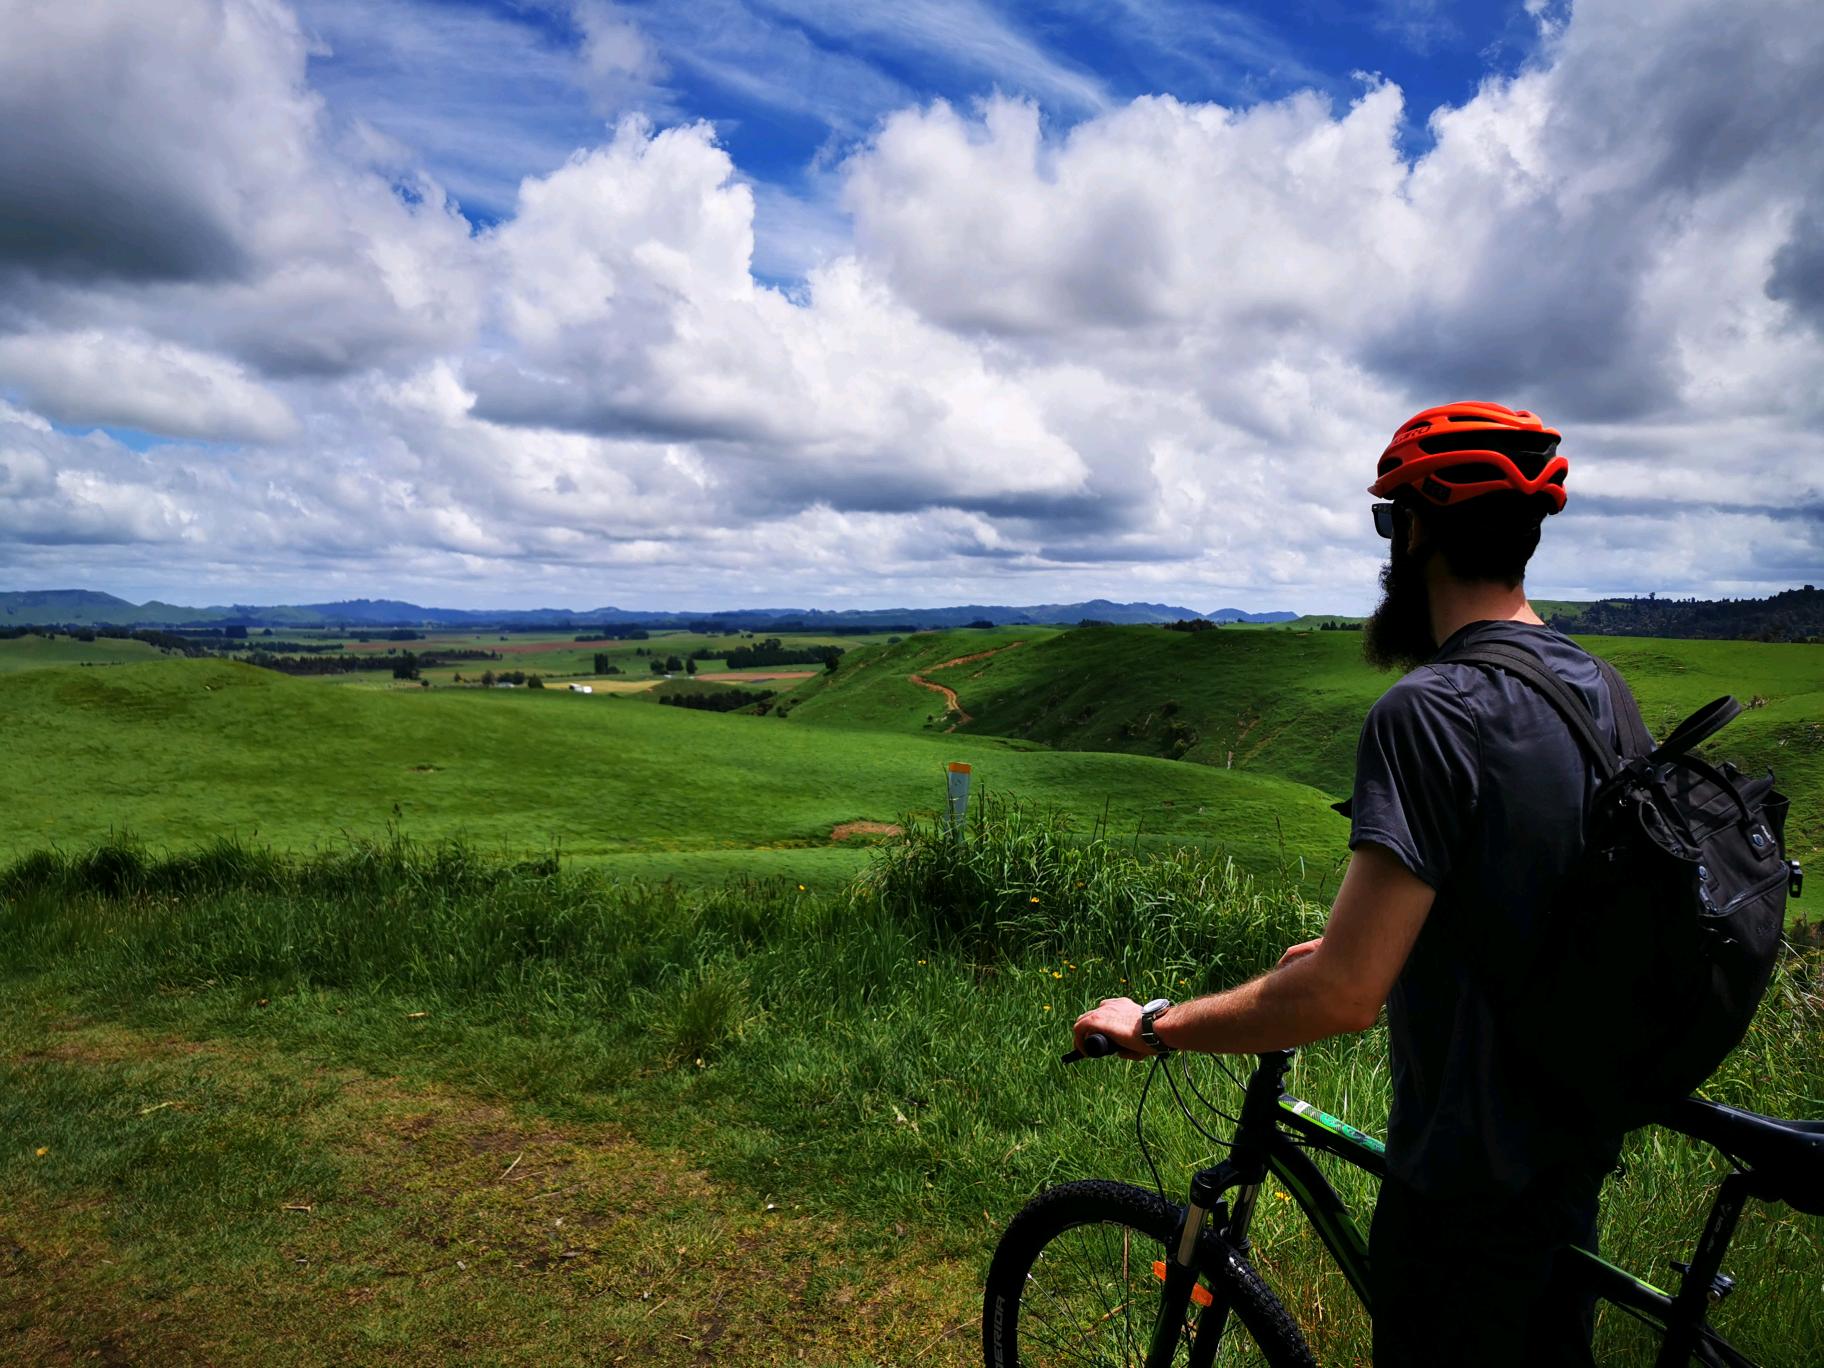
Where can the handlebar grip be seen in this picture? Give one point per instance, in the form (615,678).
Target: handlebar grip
(1095,1046)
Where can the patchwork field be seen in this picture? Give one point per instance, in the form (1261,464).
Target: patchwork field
(560,655)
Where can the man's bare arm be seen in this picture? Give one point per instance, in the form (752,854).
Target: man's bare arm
(1322,988)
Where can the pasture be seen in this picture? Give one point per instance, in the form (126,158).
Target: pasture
(35,652)
(1289,703)
(179,751)
(374,1024)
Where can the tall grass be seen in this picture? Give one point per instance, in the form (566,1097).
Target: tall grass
(889,1053)
(1020,883)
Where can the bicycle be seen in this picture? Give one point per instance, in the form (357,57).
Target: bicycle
(1130,1278)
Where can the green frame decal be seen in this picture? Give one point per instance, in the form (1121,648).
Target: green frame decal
(1334,1124)
(1638,1281)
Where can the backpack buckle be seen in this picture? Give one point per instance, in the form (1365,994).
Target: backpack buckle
(1795,878)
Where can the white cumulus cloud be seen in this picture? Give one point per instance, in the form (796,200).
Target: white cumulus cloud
(1150,351)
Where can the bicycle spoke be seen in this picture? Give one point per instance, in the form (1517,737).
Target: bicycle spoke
(1097,1301)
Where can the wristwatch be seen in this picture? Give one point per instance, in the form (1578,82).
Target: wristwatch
(1149,1014)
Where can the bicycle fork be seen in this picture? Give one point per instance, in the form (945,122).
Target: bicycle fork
(1181,1270)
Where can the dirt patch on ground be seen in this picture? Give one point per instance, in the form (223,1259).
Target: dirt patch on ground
(843,831)
(83,1042)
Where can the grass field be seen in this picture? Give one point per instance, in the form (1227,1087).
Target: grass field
(398,1105)
(34,652)
(182,750)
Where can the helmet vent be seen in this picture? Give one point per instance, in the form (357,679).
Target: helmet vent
(1471,472)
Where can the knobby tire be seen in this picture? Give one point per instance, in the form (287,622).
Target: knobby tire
(1073,1283)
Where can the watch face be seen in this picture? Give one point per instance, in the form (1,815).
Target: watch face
(1157,1005)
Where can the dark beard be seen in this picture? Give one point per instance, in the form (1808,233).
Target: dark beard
(1397,635)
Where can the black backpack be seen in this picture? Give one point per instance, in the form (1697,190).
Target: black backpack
(1662,938)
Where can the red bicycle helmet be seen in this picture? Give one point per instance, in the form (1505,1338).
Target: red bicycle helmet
(1462,451)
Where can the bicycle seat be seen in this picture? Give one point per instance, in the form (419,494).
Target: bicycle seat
(1785,1158)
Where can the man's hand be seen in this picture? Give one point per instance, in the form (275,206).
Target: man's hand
(1119,1020)
(1298,952)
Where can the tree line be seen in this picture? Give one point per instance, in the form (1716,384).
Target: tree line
(1794,615)
(722,699)
(771,651)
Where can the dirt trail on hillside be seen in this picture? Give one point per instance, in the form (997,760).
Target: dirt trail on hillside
(978,655)
(951,702)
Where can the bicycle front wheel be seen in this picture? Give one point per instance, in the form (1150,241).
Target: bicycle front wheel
(1078,1279)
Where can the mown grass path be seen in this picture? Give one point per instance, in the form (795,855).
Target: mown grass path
(201,1201)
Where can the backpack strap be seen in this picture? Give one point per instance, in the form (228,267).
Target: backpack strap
(1705,722)
(1524,665)
(1636,740)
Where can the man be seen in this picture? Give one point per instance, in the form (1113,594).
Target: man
(1467,810)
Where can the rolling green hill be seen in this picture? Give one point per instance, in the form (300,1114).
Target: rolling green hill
(34,652)
(1284,703)
(179,751)
(1290,703)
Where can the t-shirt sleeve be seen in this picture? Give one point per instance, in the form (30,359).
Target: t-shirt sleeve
(1416,774)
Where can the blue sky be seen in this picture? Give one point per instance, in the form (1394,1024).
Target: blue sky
(491,92)
(582,302)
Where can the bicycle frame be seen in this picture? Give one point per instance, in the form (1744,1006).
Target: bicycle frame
(1275,1133)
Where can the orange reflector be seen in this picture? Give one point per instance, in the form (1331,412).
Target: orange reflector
(1199,1293)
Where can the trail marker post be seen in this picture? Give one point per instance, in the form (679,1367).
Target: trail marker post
(957,791)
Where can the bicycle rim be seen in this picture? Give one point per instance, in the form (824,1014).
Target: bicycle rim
(1093,1297)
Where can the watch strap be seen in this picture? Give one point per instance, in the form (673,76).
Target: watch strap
(1149,1034)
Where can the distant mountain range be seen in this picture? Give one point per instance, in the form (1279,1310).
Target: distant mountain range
(87,608)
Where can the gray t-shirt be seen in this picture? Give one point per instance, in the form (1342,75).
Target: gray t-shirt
(1475,784)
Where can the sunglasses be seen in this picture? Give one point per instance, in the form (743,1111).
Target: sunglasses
(1383,520)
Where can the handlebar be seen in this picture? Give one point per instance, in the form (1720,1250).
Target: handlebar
(1095,1046)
